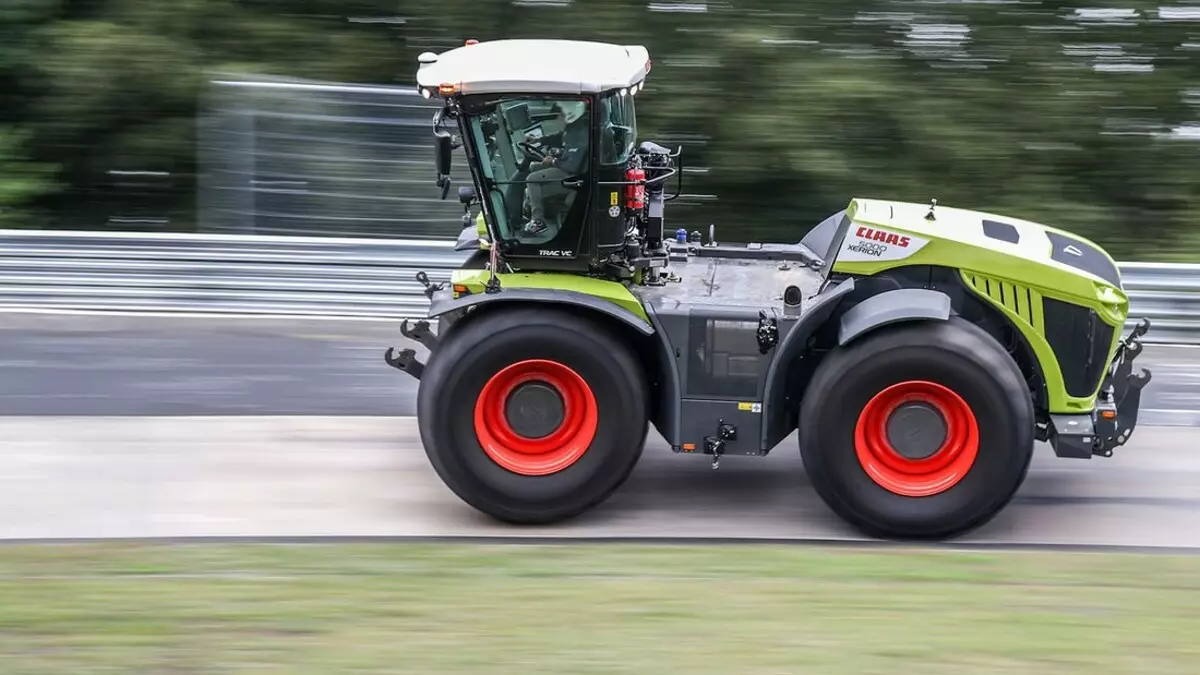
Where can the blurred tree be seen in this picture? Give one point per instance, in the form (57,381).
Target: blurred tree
(21,181)
(1064,112)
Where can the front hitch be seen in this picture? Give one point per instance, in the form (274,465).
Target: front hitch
(1116,411)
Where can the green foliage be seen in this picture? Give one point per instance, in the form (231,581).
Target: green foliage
(21,181)
(1058,111)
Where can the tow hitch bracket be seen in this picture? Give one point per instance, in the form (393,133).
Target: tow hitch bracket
(420,333)
(406,361)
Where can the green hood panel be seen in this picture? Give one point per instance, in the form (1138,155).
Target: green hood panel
(888,234)
(1014,264)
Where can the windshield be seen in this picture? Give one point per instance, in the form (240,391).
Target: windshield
(618,128)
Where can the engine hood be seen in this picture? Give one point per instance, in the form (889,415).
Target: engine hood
(965,238)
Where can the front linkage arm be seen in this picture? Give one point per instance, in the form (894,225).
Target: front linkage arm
(1121,394)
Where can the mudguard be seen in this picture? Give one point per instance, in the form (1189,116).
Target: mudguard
(889,307)
(444,302)
(777,399)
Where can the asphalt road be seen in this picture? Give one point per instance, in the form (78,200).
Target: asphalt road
(93,365)
(135,427)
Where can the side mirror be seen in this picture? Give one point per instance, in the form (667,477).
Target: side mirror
(466,194)
(442,142)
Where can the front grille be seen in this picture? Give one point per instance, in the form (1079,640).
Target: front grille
(1082,255)
(1080,341)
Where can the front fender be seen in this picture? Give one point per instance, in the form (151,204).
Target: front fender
(903,304)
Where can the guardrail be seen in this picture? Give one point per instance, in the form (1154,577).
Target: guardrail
(351,278)
(219,274)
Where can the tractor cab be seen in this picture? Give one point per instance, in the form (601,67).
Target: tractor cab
(549,131)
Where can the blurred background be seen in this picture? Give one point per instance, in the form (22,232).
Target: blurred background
(299,116)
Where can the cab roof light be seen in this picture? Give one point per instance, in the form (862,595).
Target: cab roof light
(471,42)
(447,89)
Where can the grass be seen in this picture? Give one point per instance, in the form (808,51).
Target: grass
(434,609)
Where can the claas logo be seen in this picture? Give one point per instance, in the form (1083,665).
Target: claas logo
(886,237)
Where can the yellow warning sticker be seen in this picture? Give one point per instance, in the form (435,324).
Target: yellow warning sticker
(614,199)
(748,406)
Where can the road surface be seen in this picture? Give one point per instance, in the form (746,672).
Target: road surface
(136,427)
(92,365)
(368,476)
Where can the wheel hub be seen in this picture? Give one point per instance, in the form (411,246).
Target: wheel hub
(916,430)
(534,410)
(916,438)
(536,417)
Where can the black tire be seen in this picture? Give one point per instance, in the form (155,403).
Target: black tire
(955,354)
(481,347)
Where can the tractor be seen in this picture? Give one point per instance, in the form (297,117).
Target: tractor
(917,351)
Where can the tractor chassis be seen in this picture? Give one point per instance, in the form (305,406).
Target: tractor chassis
(1077,436)
(743,351)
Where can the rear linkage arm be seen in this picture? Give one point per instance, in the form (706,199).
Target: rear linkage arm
(406,360)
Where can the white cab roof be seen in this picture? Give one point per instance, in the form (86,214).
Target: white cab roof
(535,66)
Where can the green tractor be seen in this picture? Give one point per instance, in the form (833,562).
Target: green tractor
(919,350)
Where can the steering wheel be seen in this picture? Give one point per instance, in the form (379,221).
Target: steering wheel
(531,151)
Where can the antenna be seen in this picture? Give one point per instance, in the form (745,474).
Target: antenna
(932,206)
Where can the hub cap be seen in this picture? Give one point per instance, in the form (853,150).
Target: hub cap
(916,438)
(534,410)
(535,417)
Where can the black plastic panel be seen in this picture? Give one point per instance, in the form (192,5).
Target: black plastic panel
(995,229)
(1081,342)
(1084,256)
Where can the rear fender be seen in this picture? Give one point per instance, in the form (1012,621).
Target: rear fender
(444,304)
(647,344)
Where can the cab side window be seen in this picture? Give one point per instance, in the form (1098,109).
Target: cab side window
(618,128)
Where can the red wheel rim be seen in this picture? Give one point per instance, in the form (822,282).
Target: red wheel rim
(931,475)
(549,454)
